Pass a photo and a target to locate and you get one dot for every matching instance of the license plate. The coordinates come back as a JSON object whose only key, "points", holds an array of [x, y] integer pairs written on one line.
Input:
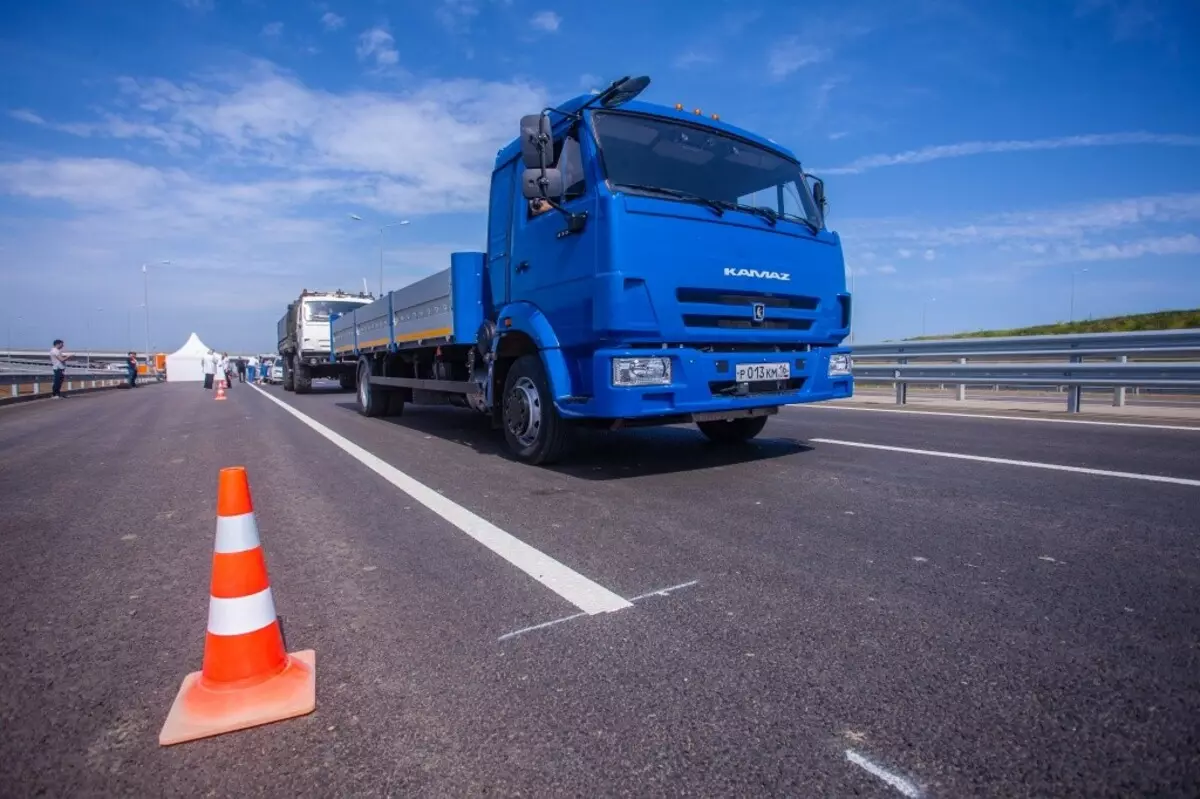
{"points": [[755, 372]]}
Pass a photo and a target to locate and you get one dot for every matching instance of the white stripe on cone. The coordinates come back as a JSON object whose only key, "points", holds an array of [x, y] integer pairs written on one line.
{"points": [[240, 615], [236, 533]]}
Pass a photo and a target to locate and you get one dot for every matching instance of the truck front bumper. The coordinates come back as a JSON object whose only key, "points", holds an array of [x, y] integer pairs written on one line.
{"points": [[704, 382]]}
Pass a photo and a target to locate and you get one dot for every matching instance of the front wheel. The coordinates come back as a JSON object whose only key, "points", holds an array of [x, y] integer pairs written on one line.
{"points": [[533, 429], [303, 379], [733, 431]]}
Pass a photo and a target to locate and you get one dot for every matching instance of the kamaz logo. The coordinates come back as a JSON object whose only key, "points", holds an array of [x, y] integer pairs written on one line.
{"points": [[731, 272]]}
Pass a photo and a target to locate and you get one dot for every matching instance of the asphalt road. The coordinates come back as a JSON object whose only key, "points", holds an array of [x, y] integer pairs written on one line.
{"points": [[854, 621]]}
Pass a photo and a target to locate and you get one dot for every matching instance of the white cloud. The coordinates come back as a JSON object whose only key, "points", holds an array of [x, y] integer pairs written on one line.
{"points": [[272, 29], [964, 149], [790, 55], [904, 253], [887, 269], [692, 58], [379, 45], [202, 6], [456, 15], [929, 255], [25, 115], [331, 21], [1185, 244], [547, 21]]}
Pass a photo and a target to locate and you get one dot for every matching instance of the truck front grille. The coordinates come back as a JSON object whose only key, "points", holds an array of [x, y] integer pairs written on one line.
{"points": [[746, 298], [744, 322]]}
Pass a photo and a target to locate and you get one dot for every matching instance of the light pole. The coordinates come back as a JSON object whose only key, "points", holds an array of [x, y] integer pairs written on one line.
{"points": [[925, 311], [146, 305], [88, 319], [1074, 272], [382, 228]]}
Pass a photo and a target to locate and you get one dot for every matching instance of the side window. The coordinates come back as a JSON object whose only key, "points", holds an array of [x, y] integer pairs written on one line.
{"points": [[571, 164]]}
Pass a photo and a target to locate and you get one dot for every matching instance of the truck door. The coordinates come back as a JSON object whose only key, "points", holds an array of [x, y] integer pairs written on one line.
{"points": [[500, 226], [553, 271]]}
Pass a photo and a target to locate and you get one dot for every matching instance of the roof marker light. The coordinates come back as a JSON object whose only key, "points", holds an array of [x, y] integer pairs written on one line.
{"points": [[678, 106]]}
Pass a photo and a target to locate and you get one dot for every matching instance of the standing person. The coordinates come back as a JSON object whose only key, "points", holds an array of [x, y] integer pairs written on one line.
{"points": [[58, 362], [209, 364], [131, 365], [224, 370], [241, 369], [252, 367]]}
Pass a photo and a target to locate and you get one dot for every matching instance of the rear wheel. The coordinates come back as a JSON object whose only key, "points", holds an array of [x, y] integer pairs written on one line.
{"points": [[533, 429], [370, 401], [733, 431]]}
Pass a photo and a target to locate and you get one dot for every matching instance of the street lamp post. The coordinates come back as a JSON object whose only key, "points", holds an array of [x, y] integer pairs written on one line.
{"points": [[1074, 272], [925, 311], [146, 305], [88, 319], [382, 228]]}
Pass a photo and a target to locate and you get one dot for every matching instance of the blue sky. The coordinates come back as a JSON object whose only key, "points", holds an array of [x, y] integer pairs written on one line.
{"points": [[977, 155]]}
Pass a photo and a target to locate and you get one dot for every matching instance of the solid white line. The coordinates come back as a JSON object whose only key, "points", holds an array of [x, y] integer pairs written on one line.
{"points": [[572, 586], [960, 414], [1153, 478], [236, 533], [240, 615], [904, 786]]}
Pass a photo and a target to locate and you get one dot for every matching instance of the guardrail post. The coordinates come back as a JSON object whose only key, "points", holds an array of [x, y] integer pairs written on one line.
{"points": [[15, 390], [1075, 393], [1119, 391], [961, 393], [37, 387], [901, 387]]}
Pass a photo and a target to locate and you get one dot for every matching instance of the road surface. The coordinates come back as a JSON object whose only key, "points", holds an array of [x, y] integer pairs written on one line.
{"points": [[806, 616]]}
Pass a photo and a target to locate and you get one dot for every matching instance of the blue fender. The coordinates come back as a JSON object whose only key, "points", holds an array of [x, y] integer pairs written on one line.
{"points": [[528, 319]]}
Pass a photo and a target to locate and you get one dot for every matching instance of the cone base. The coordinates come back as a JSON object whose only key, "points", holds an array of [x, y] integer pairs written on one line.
{"points": [[201, 712]]}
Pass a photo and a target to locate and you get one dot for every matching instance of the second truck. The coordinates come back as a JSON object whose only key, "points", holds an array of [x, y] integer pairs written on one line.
{"points": [[304, 344], [645, 265]]}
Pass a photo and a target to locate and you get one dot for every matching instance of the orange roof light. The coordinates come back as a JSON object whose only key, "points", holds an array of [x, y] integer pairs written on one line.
{"points": [[678, 106], [698, 112], [714, 116]]}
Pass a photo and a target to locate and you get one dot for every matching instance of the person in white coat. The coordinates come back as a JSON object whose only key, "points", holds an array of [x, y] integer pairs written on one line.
{"points": [[209, 364]]}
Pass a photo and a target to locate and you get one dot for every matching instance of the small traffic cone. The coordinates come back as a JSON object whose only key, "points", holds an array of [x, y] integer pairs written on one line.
{"points": [[247, 677], [220, 390]]}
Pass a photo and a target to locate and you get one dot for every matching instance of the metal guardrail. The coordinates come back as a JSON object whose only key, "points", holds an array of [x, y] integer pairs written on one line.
{"points": [[1160, 366]]}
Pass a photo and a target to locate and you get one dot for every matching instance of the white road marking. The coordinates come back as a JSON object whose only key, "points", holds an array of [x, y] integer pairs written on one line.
{"points": [[901, 784], [959, 414], [639, 598], [588, 596], [1153, 478]]}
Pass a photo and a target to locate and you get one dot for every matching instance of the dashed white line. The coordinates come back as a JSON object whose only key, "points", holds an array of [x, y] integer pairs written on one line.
{"points": [[588, 596], [902, 784], [961, 415], [1153, 478]]}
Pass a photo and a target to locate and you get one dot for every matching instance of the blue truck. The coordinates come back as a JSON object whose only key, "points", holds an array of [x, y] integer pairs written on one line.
{"points": [[645, 265]]}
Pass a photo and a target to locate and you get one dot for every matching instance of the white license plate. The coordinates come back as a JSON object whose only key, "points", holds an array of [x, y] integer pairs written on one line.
{"points": [[754, 372]]}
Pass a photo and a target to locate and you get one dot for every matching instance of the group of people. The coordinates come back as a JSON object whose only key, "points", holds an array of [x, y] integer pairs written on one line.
{"points": [[58, 363], [221, 364]]}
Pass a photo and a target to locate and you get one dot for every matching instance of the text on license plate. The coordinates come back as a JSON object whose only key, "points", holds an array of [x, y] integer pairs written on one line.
{"points": [[754, 372]]}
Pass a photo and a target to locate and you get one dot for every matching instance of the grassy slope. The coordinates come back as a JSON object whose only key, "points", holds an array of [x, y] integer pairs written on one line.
{"points": [[1162, 320]]}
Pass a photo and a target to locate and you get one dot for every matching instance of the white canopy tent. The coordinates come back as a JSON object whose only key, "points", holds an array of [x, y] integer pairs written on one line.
{"points": [[186, 363]]}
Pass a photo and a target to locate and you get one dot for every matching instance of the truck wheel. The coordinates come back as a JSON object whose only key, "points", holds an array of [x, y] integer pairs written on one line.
{"points": [[303, 379], [346, 381], [288, 375], [532, 427], [395, 402], [733, 431], [370, 402]]}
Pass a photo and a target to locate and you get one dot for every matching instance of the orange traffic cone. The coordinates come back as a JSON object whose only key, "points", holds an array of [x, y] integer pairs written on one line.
{"points": [[247, 677], [220, 390]]}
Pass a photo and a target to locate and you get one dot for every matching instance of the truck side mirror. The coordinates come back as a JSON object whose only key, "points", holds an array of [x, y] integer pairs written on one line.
{"points": [[545, 183], [537, 141], [818, 191]]}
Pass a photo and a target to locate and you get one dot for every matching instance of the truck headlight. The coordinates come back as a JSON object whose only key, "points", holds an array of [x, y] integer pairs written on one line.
{"points": [[641, 371], [840, 364]]}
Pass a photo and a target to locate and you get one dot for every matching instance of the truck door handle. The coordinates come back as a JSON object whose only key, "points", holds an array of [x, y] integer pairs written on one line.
{"points": [[523, 266]]}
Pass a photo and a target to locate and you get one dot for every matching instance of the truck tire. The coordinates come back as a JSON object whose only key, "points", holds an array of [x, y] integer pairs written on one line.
{"points": [[370, 402], [288, 375], [733, 431], [533, 429], [302, 379]]}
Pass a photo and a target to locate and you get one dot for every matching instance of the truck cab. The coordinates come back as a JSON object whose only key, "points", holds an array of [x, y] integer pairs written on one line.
{"points": [[673, 263], [304, 338]]}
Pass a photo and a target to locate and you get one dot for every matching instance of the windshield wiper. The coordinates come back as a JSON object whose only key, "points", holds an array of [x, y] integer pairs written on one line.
{"points": [[717, 206], [813, 226], [758, 210]]}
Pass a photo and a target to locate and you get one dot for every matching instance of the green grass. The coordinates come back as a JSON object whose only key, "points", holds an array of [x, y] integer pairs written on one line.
{"points": [[1161, 320]]}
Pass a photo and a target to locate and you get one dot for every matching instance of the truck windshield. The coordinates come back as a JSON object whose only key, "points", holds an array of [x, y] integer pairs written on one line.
{"points": [[320, 310], [687, 162]]}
